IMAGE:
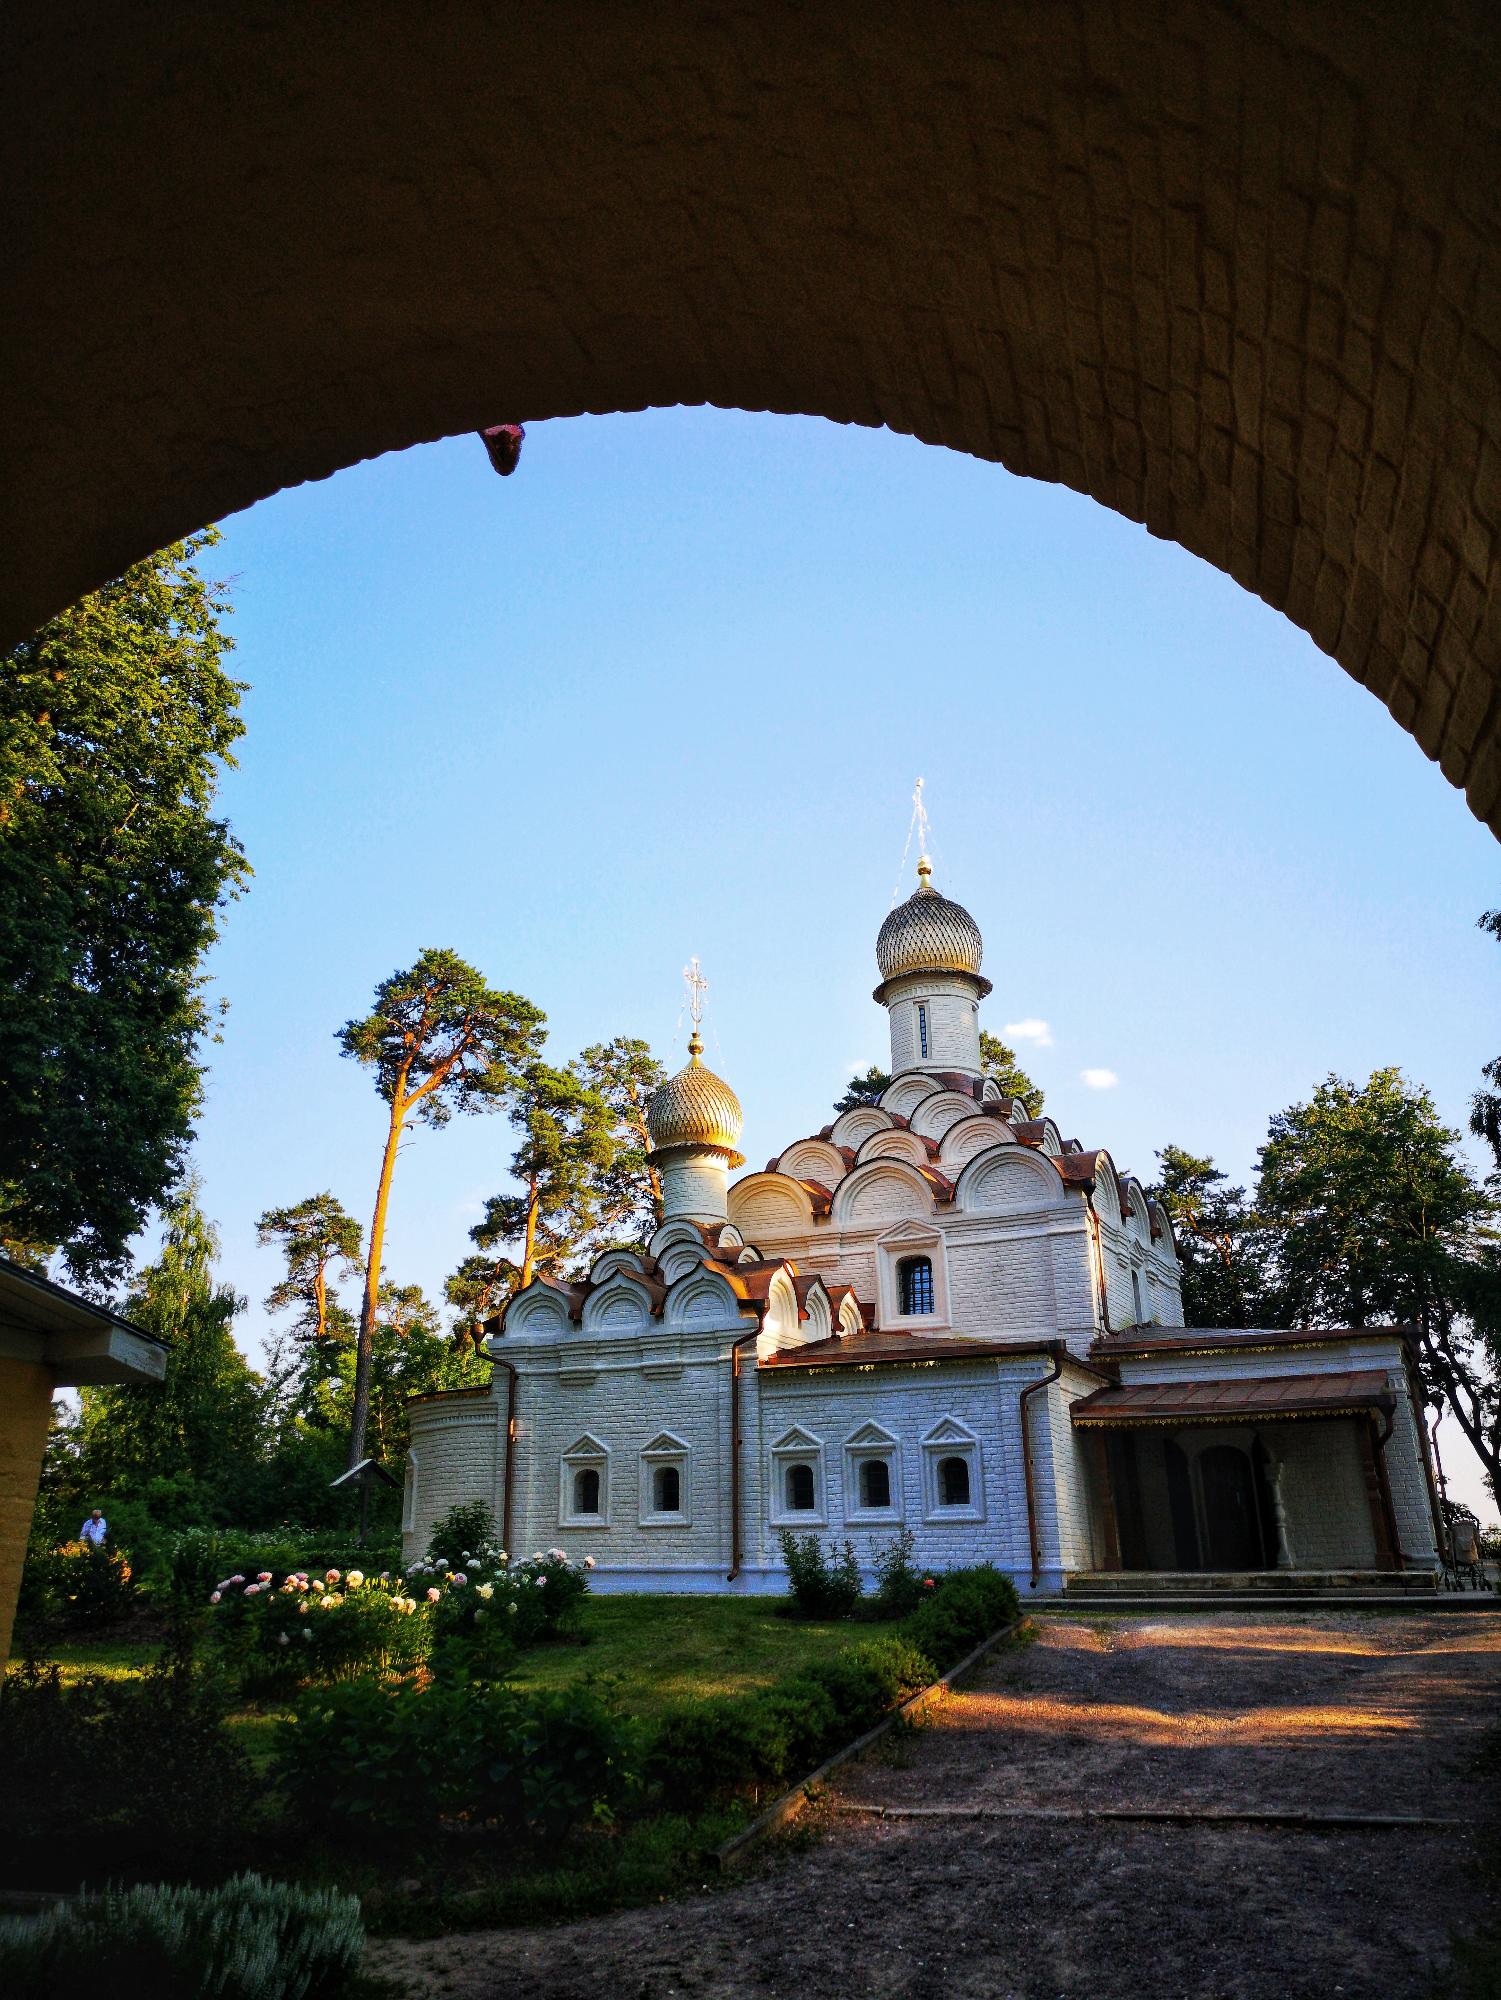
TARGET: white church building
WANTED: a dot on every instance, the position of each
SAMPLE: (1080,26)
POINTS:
(935,1313)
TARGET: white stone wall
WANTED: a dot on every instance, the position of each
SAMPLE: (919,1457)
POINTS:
(1320,1481)
(694,1184)
(953,1022)
(457,1454)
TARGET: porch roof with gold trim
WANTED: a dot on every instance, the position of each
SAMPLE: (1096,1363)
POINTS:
(1240,1400)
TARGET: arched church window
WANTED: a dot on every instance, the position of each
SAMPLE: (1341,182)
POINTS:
(915,1280)
(667,1490)
(586,1491)
(801,1496)
(875,1483)
(953,1482)
(922,1031)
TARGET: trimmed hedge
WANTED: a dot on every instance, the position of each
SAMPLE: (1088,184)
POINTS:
(710,1748)
(248,1940)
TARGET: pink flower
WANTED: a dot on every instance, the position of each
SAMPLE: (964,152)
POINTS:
(588,1562)
(216,1596)
(331,1576)
(459,1577)
(927,1583)
(264,1577)
(433,1596)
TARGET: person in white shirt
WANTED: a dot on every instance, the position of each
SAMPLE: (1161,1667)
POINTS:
(94,1530)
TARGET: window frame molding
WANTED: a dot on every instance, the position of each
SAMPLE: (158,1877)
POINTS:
(665,1449)
(797,1446)
(911,1239)
(585,1452)
(872,1441)
(950,1437)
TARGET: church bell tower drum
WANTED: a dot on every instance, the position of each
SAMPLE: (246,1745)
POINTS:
(929,951)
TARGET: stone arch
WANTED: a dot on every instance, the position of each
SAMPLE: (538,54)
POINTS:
(853,1128)
(904,1093)
(895,1144)
(939,1110)
(968,1137)
(771,1205)
(881,1191)
(1008,1177)
(1234,276)
(814,1160)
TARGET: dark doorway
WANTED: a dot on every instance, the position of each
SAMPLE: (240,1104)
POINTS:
(1180,1502)
(1232,1528)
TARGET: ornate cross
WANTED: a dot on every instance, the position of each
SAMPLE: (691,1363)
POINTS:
(697,987)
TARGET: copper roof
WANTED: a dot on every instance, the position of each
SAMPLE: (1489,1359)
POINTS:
(1213,1339)
(864,1350)
(1236,1400)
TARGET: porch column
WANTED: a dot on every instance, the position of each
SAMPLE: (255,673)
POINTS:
(1277,1465)
(1099,1463)
(1378,1496)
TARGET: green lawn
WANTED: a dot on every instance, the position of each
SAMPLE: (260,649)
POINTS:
(648,1652)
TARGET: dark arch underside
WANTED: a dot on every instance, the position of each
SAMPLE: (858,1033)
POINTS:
(1233,270)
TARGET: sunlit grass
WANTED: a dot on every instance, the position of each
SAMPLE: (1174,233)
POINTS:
(654,1651)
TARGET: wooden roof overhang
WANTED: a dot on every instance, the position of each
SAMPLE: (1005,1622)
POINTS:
(1135,1405)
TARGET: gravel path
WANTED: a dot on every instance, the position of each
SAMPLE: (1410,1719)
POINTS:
(1267,1712)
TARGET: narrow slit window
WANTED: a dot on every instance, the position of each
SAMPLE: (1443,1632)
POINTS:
(953,1482)
(586,1491)
(667,1490)
(922,1031)
(801,1498)
(915,1280)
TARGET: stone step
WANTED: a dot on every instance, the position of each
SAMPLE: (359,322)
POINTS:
(1249,1583)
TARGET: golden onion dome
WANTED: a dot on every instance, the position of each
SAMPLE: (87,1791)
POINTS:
(695,1108)
(928,933)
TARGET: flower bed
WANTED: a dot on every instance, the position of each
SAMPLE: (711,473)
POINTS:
(466,1618)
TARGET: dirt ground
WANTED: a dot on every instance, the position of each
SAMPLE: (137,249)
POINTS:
(1307,1712)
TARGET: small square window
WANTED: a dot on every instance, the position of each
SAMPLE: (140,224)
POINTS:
(666,1486)
(797,1481)
(585,1497)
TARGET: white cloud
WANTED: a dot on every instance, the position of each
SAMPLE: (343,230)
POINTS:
(1099,1079)
(1030,1030)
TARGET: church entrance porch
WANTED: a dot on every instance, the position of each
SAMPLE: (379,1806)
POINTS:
(1242,1479)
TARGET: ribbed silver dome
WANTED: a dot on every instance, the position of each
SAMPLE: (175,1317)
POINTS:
(928,933)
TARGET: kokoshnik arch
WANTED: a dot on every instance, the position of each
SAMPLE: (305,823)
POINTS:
(1231,269)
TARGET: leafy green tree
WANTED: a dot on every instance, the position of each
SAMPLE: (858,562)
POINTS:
(1000,1064)
(116,719)
(624,1072)
(477,1290)
(202,1426)
(410,1356)
(1372,1214)
(1219,1245)
(316,1237)
(867,1089)
(568,1145)
(439,1041)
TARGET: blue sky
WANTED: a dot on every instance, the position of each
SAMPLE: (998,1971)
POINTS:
(667,690)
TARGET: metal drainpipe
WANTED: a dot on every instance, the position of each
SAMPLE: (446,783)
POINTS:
(735,1347)
(1099,1259)
(1058,1352)
(505,1505)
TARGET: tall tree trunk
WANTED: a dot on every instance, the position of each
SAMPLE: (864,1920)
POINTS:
(529,1252)
(320,1306)
(366,1345)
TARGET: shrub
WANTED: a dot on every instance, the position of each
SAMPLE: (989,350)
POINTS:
(960,1609)
(701,1749)
(899,1584)
(138,1776)
(373,1760)
(464,1529)
(820,1586)
(193,1560)
(78,1585)
(490,1604)
(276,1637)
(247,1940)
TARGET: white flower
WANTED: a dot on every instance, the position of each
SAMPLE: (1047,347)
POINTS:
(302,1605)
(484,1590)
(479,1614)
(433,1596)
(355,1578)
(503,1557)
(307,1631)
(214,1598)
(282,1639)
(465,1554)
(557,1556)
(385,1576)
(588,1562)
(511,1607)
(330,1603)
(473,1563)
(538,1556)
(441,1563)
(317,1584)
